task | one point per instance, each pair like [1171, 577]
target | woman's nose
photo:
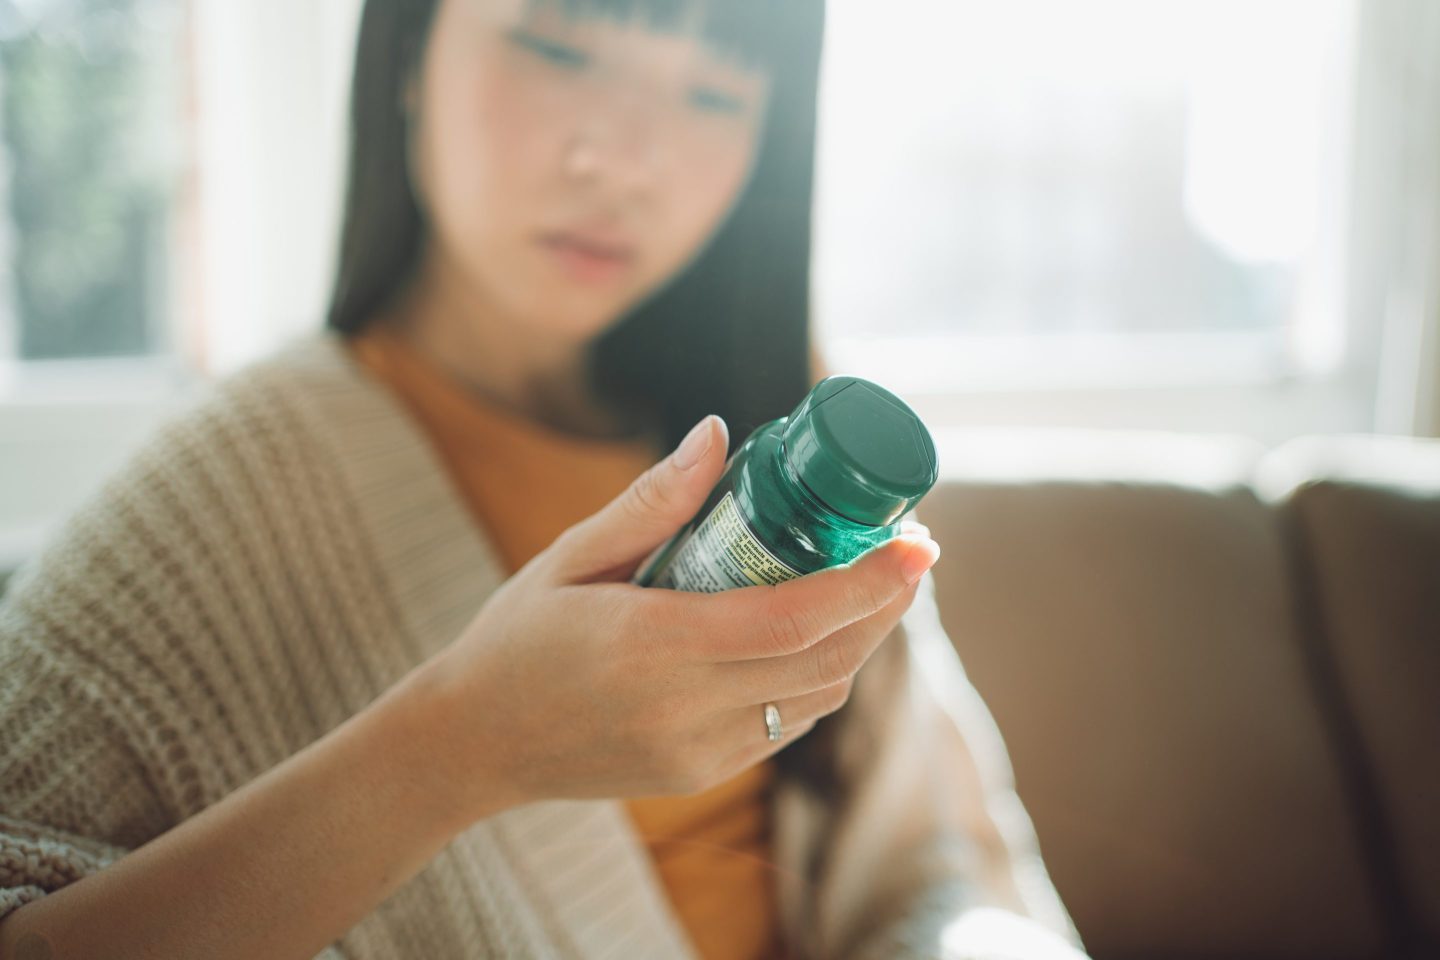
[626, 143]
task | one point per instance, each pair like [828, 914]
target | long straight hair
[729, 333]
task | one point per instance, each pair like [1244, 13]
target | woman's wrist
[424, 725]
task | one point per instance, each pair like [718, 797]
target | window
[169, 178]
[94, 138]
[1042, 193]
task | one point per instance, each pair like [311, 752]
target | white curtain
[1396, 233]
[272, 79]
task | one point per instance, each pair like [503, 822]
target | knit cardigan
[286, 548]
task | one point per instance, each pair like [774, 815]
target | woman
[346, 661]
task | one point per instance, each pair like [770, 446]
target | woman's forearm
[282, 866]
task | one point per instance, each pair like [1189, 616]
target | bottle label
[722, 553]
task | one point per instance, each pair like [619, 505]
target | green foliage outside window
[83, 122]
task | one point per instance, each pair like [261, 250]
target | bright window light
[1033, 193]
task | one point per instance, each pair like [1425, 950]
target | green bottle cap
[860, 450]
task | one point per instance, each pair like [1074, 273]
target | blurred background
[1162, 275]
[1195, 215]
[1216, 216]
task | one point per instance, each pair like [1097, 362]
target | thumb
[610, 543]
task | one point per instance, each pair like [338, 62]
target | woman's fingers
[742, 735]
[795, 712]
[755, 751]
[914, 526]
[611, 543]
[831, 661]
[793, 616]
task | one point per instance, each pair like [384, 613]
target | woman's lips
[587, 259]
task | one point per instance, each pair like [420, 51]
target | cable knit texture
[285, 550]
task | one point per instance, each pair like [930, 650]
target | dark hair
[730, 333]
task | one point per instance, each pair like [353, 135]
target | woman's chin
[577, 319]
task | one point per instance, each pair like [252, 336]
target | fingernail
[921, 557]
[695, 444]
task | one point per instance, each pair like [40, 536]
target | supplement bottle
[804, 492]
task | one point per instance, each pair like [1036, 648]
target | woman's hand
[572, 682]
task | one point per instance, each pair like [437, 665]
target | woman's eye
[557, 53]
[716, 101]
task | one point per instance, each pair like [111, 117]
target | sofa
[1216, 669]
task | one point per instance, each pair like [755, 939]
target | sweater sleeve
[74, 794]
[928, 852]
[72, 799]
[93, 762]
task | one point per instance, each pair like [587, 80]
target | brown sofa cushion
[1366, 513]
[1137, 645]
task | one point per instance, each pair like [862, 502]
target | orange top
[525, 483]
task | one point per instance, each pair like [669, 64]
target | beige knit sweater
[286, 549]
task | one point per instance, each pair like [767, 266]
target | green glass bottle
[812, 490]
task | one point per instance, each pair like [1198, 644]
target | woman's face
[568, 167]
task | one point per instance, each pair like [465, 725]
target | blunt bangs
[751, 34]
